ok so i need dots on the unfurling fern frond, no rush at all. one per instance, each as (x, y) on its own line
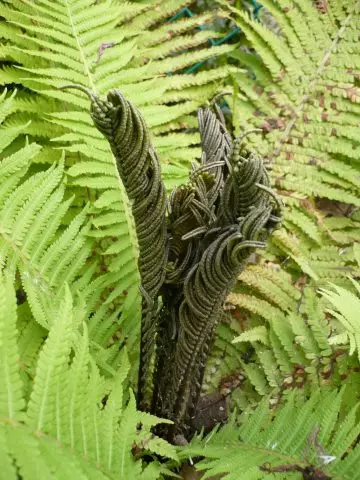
(304, 439)
(210, 239)
(214, 223)
(124, 127)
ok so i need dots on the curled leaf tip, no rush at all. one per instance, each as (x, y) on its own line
(78, 86)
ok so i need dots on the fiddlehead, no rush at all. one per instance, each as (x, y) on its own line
(191, 212)
(243, 214)
(124, 127)
(192, 257)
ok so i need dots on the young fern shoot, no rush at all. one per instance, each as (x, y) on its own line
(192, 256)
(138, 165)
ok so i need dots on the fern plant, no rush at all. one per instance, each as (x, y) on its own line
(32, 211)
(191, 257)
(301, 89)
(82, 42)
(295, 348)
(104, 44)
(72, 421)
(302, 92)
(310, 440)
(346, 311)
(70, 242)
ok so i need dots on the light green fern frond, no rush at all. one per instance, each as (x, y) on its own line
(52, 364)
(11, 396)
(76, 422)
(301, 89)
(115, 50)
(347, 308)
(293, 349)
(303, 437)
(32, 210)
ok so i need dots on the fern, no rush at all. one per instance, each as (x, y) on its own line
(117, 44)
(299, 92)
(346, 312)
(73, 41)
(76, 422)
(280, 337)
(69, 248)
(296, 347)
(213, 223)
(31, 213)
(312, 438)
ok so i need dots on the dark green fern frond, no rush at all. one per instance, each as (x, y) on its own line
(124, 127)
(210, 242)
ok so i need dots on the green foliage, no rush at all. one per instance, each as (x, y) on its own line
(32, 240)
(301, 89)
(44, 243)
(347, 307)
(60, 414)
(308, 437)
(69, 283)
(73, 421)
(101, 45)
(295, 347)
(293, 342)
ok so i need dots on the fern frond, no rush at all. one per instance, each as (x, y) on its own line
(256, 334)
(41, 412)
(346, 311)
(11, 395)
(73, 40)
(298, 348)
(300, 89)
(225, 209)
(300, 437)
(32, 209)
(75, 419)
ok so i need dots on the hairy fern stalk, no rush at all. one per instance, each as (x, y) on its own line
(189, 259)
